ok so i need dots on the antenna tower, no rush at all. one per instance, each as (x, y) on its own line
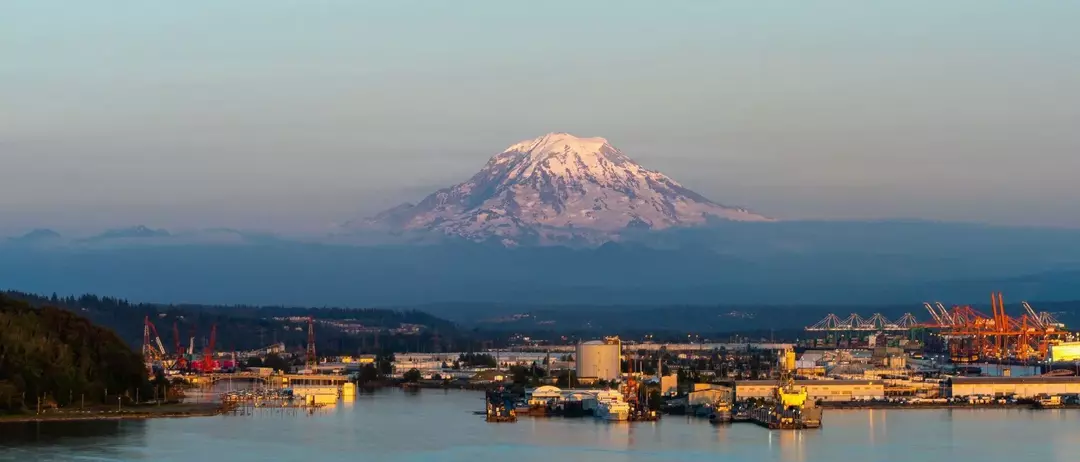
(312, 359)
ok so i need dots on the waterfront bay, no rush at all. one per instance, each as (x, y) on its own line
(392, 425)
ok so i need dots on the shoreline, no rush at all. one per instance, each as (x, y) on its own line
(919, 407)
(171, 411)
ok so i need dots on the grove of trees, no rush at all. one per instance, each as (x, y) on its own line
(55, 357)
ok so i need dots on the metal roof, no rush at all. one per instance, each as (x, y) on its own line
(810, 382)
(1012, 380)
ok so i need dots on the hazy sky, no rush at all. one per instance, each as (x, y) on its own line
(291, 115)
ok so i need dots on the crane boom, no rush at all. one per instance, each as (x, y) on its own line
(1035, 317)
(934, 314)
(949, 321)
(149, 328)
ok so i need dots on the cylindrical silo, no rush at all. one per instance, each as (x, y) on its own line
(599, 359)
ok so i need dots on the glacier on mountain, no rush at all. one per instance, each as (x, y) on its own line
(554, 188)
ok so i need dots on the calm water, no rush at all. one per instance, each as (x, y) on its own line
(439, 426)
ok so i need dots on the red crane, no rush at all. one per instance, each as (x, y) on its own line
(180, 361)
(208, 352)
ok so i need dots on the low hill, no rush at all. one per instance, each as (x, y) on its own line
(240, 328)
(62, 357)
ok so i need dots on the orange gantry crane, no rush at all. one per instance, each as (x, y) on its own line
(972, 335)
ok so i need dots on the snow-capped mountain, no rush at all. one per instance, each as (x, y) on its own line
(553, 188)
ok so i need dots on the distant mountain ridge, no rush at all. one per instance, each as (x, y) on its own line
(757, 263)
(36, 236)
(134, 232)
(557, 188)
(135, 236)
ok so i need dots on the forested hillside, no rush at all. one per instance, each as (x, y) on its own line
(62, 358)
(239, 328)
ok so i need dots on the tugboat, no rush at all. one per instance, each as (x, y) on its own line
(791, 410)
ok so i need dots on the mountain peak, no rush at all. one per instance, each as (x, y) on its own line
(139, 231)
(37, 236)
(558, 187)
(557, 142)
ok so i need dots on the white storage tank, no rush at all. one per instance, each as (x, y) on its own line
(599, 359)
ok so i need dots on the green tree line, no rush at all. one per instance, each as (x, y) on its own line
(58, 358)
(249, 327)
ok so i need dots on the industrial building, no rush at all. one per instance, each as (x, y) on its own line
(599, 360)
(823, 390)
(1065, 351)
(705, 393)
(1019, 387)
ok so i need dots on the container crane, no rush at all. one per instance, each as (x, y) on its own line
(973, 335)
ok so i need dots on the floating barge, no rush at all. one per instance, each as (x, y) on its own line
(499, 406)
(779, 418)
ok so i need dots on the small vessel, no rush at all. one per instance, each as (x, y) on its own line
(742, 414)
(1048, 402)
(721, 414)
(611, 407)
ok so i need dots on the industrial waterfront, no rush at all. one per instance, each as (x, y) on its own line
(396, 425)
(851, 385)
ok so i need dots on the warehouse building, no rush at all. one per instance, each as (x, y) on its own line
(1065, 352)
(1020, 387)
(707, 393)
(816, 390)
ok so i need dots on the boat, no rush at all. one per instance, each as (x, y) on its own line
(742, 415)
(611, 407)
(721, 414)
(1048, 402)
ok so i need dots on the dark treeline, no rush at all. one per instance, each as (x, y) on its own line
(716, 321)
(51, 356)
(241, 328)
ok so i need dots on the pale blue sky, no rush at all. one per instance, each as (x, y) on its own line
(290, 115)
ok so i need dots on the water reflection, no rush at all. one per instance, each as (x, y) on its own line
(391, 425)
(722, 436)
(101, 439)
(790, 444)
(53, 432)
